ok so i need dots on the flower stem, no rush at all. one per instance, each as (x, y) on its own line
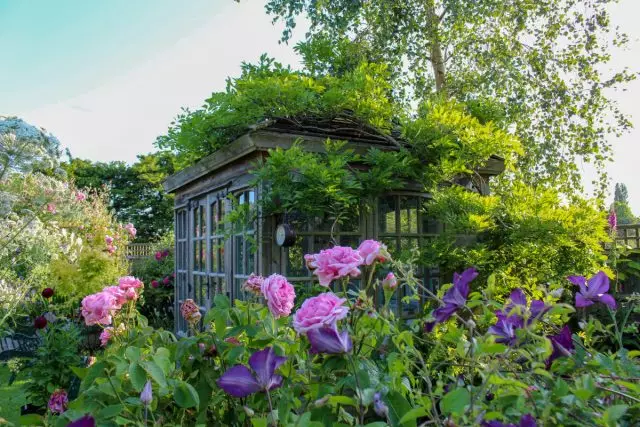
(273, 422)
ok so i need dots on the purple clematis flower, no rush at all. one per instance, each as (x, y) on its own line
(592, 290)
(505, 328)
(525, 421)
(239, 381)
(455, 298)
(329, 341)
(562, 345)
(518, 298)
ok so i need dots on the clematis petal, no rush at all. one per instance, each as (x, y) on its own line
(582, 302)
(518, 297)
(608, 300)
(579, 281)
(598, 284)
(461, 281)
(443, 314)
(329, 341)
(527, 421)
(537, 308)
(238, 381)
(264, 363)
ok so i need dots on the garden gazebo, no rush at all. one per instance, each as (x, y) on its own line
(211, 258)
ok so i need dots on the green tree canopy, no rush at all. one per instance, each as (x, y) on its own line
(621, 205)
(543, 60)
(136, 193)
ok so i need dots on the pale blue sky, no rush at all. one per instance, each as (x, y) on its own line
(107, 77)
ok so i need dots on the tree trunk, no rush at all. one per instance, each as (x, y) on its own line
(437, 59)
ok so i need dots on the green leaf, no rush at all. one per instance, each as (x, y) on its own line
(185, 395)
(398, 406)
(137, 375)
(155, 372)
(221, 301)
(133, 354)
(613, 414)
(413, 414)
(110, 411)
(96, 371)
(80, 372)
(259, 422)
(455, 401)
(31, 420)
(342, 400)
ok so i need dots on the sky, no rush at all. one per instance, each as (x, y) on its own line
(108, 77)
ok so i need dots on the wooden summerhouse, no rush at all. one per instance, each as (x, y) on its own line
(210, 260)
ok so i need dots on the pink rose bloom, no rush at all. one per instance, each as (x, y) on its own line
(51, 208)
(337, 262)
(166, 280)
(131, 294)
(279, 295)
(253, 284)
(319, 311)
(154, 284)
(119, 294)
(108, 239)
(310, 261)
(190, 311)
(158, 256)
(98, 308)
(111, 249)
(372, 251)
(127, 282)
(390, 282)
(58, 402)
(128, 226)
(105, 336)
(80, 196)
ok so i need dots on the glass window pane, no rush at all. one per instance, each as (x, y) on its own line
(295, 257)
(214, 255)
(196, 222)
(408, 214)
(239, 255)
(387, 214)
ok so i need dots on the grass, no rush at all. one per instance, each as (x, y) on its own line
(12, 397)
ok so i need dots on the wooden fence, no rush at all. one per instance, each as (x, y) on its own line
(139, 250)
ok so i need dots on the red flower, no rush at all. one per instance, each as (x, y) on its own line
(47, 292)
(40, 322)
(154, 283)
(166, 280)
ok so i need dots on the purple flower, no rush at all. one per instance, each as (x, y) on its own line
(518, 298)
(562, 345)
(329, 341)
(593, 290)
(239, 381)
(86, 421)
(454, 299)
(525, 421)
(613, 219)
(380, 408)
(505, 328)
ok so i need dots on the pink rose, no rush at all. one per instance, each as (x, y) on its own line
(337, 262)
(158, 256)
(154, 284)
(58, 402)
(127, 282)
(190, 311)
(98, 308)
(108, 239)
(51, 208)
(372, 251)
(80, 196)
(111, 249)
(166, 280)
(279, 295)
(105, 336)
(310, 261)
(131, 294)
(128, 226)
(319, 311)
(253, 284)
(390, 282)
(118, 294)
(131, 229)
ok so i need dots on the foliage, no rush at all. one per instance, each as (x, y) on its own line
(54, 362)
(621, 205)
(54, 235)
(268, 91)
(25, 148)
(394, 373)
(134, 192)
(546, 62)
(525, 235)
(157, 272)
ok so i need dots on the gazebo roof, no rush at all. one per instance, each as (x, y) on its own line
(314, 131)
